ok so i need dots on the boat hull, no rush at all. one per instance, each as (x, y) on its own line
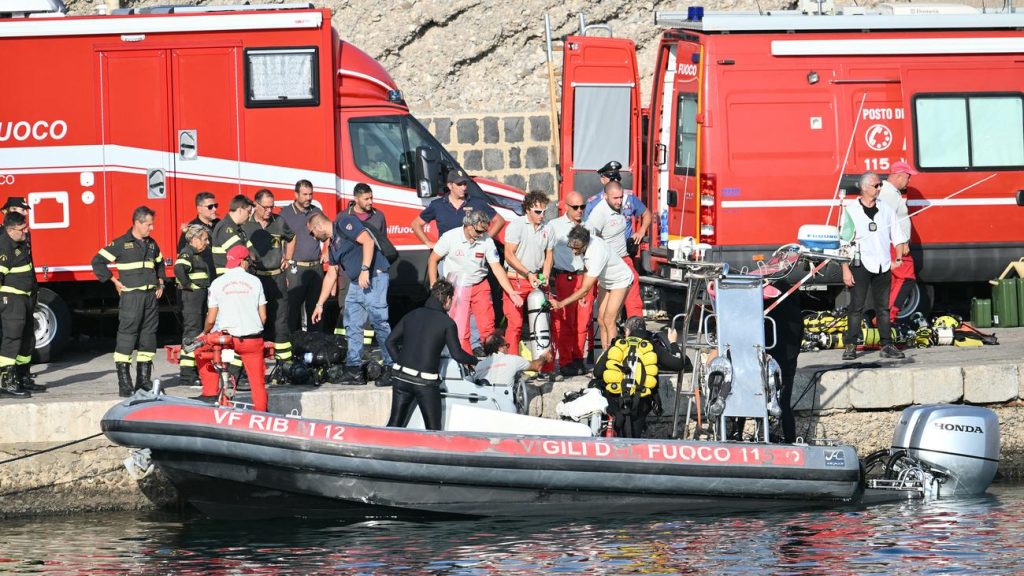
(237, 463)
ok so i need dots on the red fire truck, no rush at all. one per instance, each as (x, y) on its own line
(101, 114)
(756, 121)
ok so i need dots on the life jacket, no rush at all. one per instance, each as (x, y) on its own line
(631, 368)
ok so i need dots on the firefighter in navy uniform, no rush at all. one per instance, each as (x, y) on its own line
(229, 232)
(17, 294)
(271, 239)
(193, 274)
(140, 283)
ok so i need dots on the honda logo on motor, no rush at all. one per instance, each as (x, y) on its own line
(40, 130)
(959, 428)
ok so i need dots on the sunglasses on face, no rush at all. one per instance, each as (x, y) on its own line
(479, 231)
(535, 211)
(211, 206)
(879, 185)
(576, 206)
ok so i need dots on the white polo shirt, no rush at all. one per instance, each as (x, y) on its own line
(465, 260)
(531, 243)
(565, 260)
(873, 245)
(898, 202)
(500, 369)
(237, 295)
(609, 225)
(611, 272)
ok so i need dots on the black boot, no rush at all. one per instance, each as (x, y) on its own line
(279, 375)
(188, 376)
(124, 379)
(23, 372)
(144, 376)
(9, 384)
(240, 376)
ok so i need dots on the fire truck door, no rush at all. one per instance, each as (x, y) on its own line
(877, 119)
(205, 92)
(600, 112)
(677, 184)
(136, 139)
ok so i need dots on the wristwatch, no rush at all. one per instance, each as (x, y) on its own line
(364, 268)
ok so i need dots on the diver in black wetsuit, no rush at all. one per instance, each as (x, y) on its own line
(414, 377)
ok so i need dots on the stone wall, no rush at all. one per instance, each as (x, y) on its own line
(511, 148)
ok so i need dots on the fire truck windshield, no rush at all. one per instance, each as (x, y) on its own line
(384, 149)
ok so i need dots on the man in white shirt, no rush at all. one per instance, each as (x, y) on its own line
(607, 222)
(611, 275)
(468, 252)
(572, 323)
(871, 225)
(237, 306)
(501, 368)
(894, 195)
(528, 256)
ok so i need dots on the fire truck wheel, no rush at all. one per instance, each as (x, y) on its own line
(919, 299)
(52, 324)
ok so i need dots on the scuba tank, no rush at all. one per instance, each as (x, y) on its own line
(538, 323)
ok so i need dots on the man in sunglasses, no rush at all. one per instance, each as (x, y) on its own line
(528, 257)
(871, 226)
(571, 323)
(468, 252)
(206, 216)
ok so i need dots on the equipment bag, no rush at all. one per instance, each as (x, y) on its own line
(380, 238)
(966, 335)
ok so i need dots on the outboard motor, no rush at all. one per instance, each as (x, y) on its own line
(956, 445)
(538, 322)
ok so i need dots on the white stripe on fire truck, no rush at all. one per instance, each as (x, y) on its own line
(893, 46)
(827, 203)
(132, 160)
(32, 28)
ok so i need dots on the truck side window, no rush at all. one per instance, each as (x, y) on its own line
(278, 77)
(686, 133)
(378, 150)
(969, 131)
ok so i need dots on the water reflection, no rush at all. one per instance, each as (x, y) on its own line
(971, 535)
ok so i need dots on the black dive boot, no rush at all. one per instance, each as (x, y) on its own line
(9, 384)
(23, 373)
(188, 376)
(279, 375)
(240, 376)
(144, 376)
(124, 379)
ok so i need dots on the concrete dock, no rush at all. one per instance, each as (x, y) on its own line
(857, 403)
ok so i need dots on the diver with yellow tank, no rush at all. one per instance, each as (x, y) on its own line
(628, 374)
